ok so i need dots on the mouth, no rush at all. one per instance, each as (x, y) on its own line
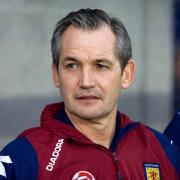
(88, 98)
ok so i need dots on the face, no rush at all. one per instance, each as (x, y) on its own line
(89, 76)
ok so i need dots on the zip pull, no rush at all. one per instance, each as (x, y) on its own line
(115, 158)
(114, 154)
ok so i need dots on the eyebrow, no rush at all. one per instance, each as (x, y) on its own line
(103, 60)
(97, 60)
(70, 58)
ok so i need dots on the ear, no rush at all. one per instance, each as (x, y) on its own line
(128, 74)
(55, 76)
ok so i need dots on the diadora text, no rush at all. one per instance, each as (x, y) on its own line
(55, 155)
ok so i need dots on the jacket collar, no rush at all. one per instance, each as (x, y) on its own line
(55, 118)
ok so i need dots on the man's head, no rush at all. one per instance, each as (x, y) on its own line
(86, 66)
(88, 19)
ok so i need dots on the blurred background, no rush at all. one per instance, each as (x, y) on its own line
(26, 28)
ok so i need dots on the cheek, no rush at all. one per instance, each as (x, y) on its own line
(68, 84)
(111, 81)
(111, 86)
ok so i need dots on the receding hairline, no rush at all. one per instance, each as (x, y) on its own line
(93, 19)
(103, 25)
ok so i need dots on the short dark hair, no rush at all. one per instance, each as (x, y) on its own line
(93, 19)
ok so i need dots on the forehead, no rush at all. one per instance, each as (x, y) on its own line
(95, 42)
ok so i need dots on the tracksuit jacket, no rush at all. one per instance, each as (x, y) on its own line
(57, 151)
(173, 128)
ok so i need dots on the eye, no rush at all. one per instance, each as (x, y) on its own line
(71, 66)
(101, 67)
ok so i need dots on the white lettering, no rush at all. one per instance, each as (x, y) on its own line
(51, 163)
(53, 160)
(5, 159)
(57, 149)
(49, 167)
(55, 155)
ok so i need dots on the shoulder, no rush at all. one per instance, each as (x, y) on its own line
(37, 135)
(168, 146)
(18, 160)
(172, 130)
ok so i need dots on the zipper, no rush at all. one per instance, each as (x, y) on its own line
(113, 154)
(115, 158)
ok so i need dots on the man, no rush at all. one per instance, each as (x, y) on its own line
(86, 137)
(172, 130)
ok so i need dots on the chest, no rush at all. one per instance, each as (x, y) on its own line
(69, 160)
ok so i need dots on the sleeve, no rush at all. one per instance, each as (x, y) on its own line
(18, 161)
(172, 130)
(171, 150)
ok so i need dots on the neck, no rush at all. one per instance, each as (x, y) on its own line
(100, 131)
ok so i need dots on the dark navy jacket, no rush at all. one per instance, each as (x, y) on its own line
(173, 129)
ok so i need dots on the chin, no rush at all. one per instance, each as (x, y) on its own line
(84, 113)
(90, 114)
(88, 117)
(87, 111)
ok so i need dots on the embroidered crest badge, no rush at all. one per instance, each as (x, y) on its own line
(152, 171)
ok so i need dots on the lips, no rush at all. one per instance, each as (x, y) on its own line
(88, 97)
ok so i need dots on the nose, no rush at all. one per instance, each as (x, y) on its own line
(87, 78)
